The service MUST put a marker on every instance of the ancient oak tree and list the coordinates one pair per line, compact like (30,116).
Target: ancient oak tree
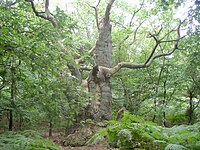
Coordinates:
(99,82)
(100,107)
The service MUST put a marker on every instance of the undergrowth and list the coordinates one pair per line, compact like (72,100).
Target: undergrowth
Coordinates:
(26,140)
(133,132)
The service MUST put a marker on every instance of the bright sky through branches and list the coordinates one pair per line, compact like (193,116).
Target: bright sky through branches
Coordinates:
(66,5)
(63,4)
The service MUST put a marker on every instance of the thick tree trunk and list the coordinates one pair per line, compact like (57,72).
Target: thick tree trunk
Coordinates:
(100,83)
(103,55)
(103,50)
(105,109)
(99,80)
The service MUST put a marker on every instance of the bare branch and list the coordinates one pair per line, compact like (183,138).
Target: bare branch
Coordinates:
(152,52)
(151,58)
(135,12)
(45,15)
(96,13)
(155,47)
(136,66)
(96,17)
(167,34)
(159,41)
(128,35)
(131,23)
(98,3)
(160,30)
(150,35)
(136,30)
(120,24)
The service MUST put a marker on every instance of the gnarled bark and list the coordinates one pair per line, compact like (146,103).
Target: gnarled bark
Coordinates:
(99,83)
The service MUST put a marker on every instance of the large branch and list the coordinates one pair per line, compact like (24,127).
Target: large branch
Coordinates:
(136,66)
(155,47)
(45,15)
(150,59)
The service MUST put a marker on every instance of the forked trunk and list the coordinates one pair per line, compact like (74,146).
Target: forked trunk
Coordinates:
(99,80)
(99,83)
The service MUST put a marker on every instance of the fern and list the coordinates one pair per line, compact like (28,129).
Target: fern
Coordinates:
(175,147)
(27,140)
(129,118)
(132,131)
(184,135)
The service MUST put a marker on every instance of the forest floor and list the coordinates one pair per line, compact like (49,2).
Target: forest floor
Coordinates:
(57,139)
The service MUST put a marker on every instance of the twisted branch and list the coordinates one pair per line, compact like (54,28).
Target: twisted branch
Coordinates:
(151,58)
(45,15)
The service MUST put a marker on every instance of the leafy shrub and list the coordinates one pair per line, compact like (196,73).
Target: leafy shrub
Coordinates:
(27,140)
(134,132)
(177,118)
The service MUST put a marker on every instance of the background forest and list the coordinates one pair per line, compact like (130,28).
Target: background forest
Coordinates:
(148,97)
